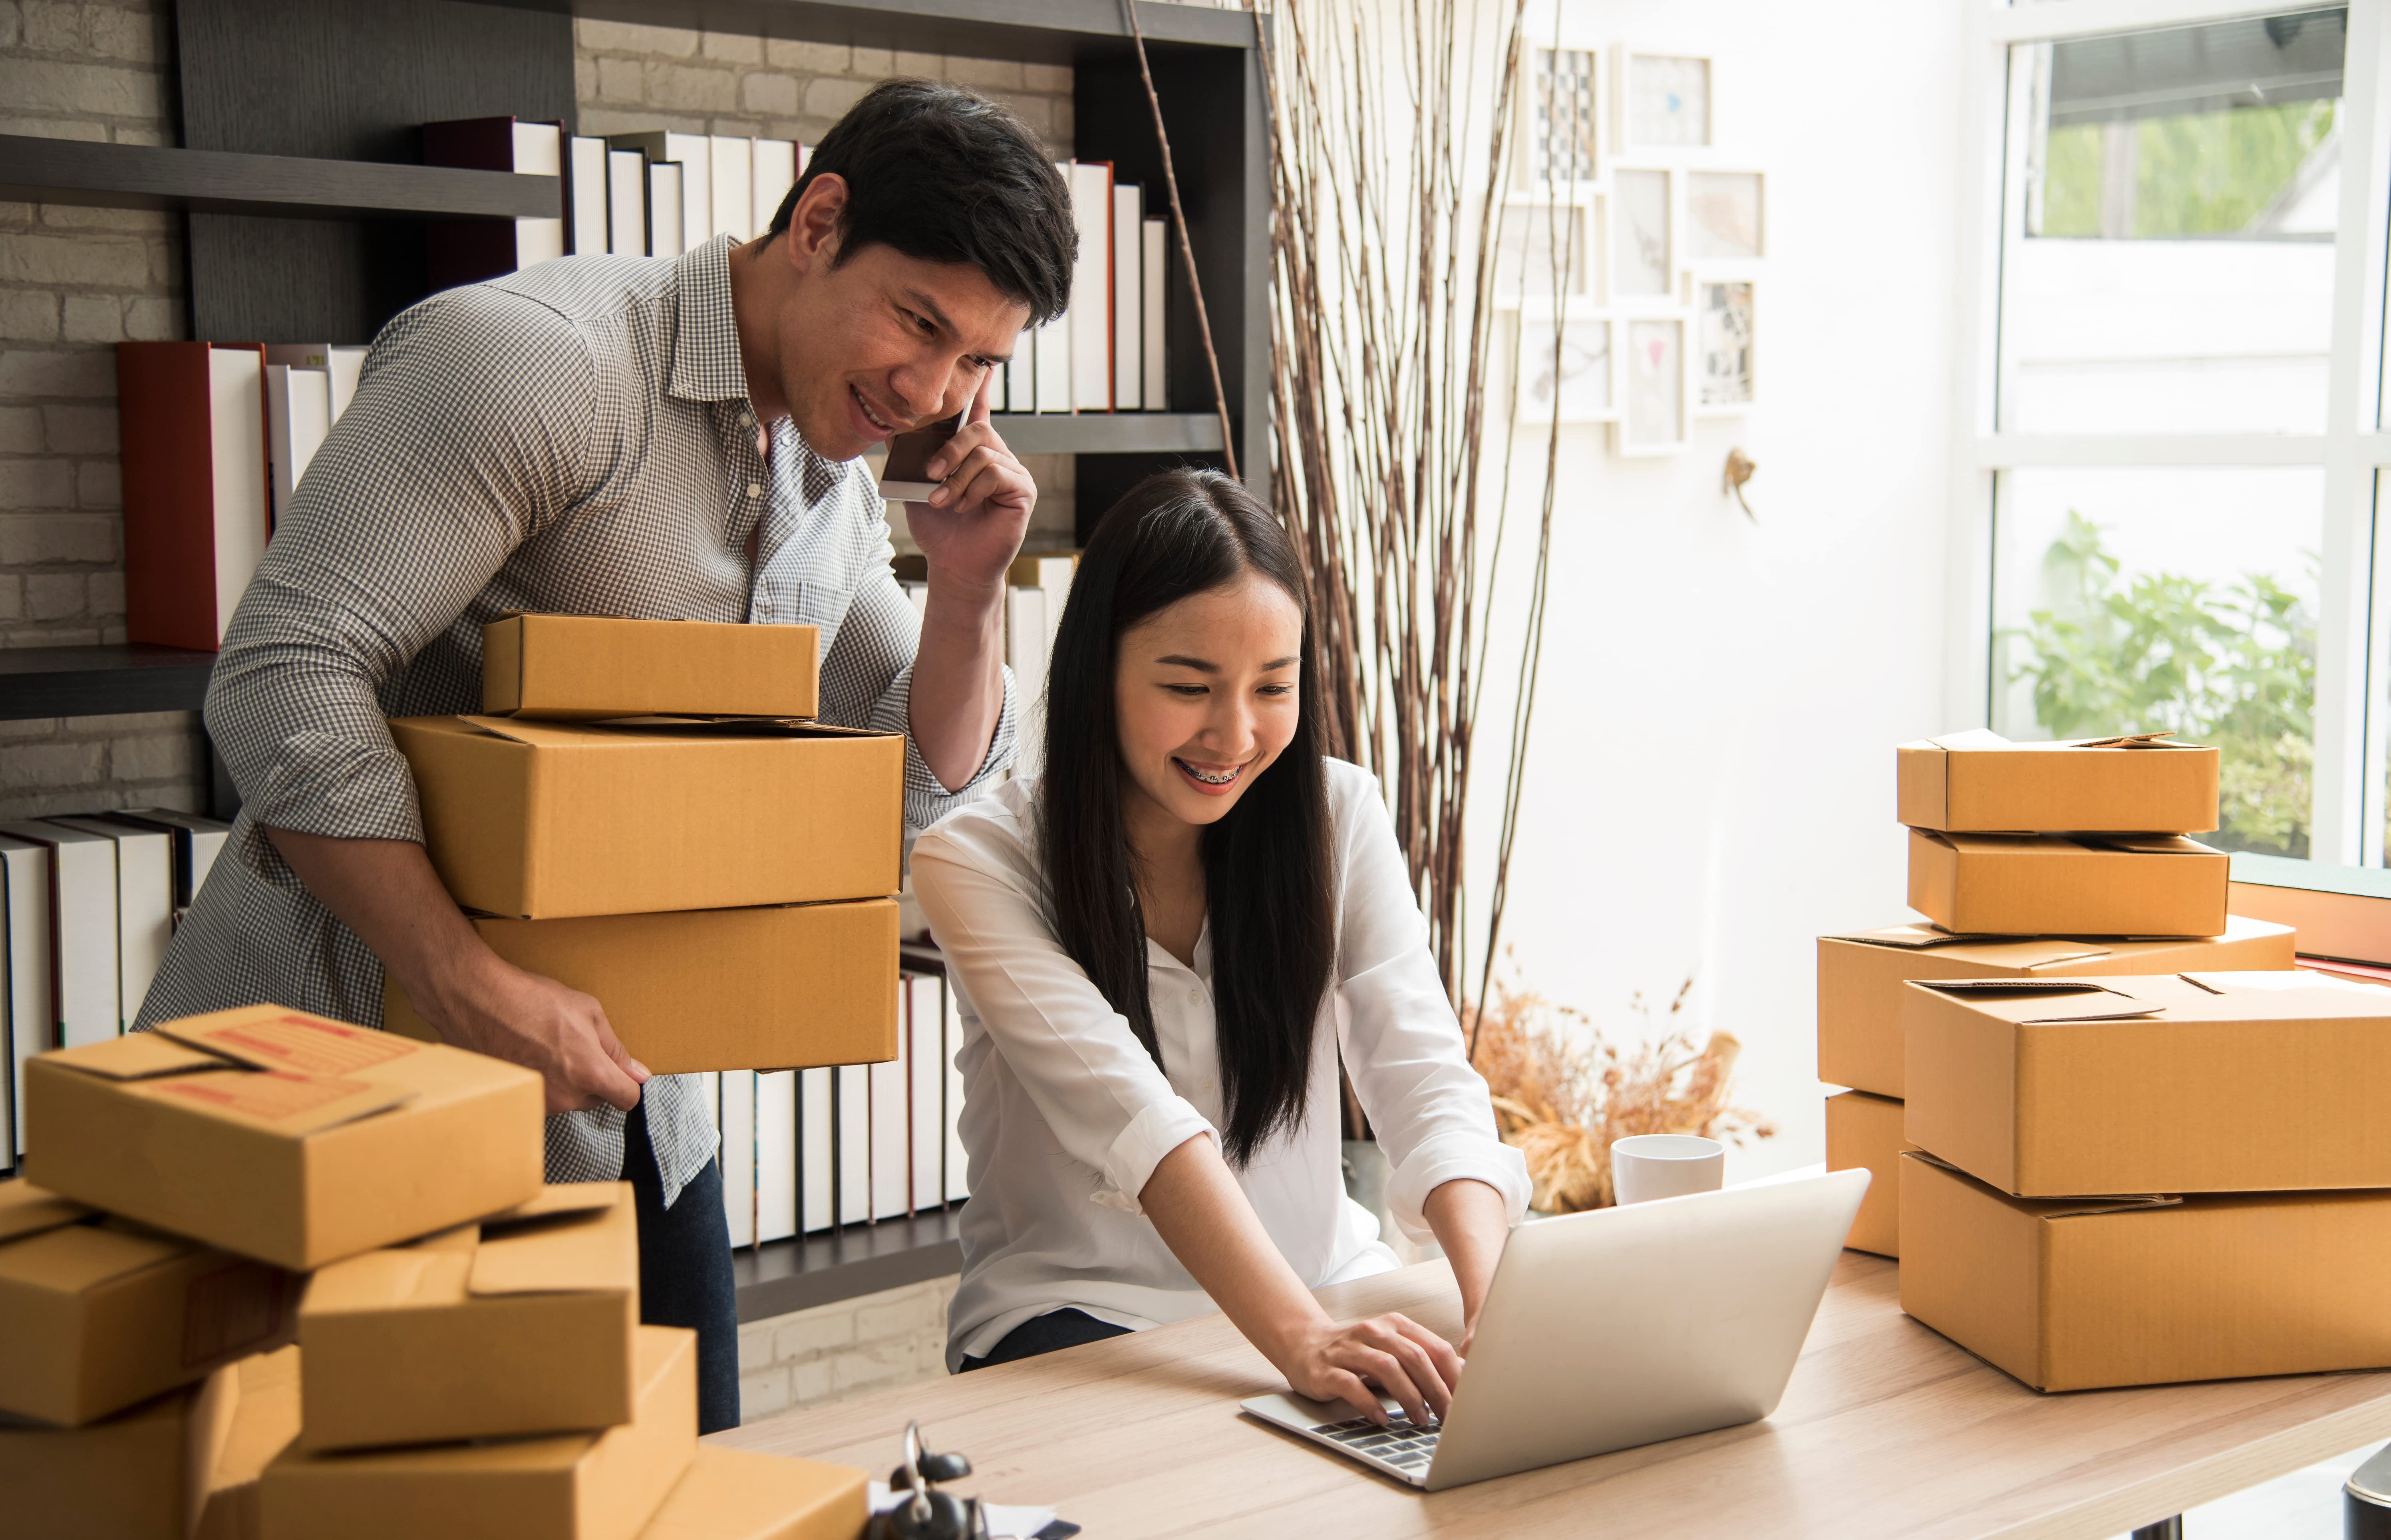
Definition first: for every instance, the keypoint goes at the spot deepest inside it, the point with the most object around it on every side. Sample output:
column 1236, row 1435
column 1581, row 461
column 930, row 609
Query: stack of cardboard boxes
column 2009, row 901
column 468, row 1357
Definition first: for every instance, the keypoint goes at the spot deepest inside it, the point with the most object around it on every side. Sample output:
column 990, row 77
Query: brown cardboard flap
column 2055, row 1207
column 26, row 1209
column 381, row 1280
column 571, row 1250
column 1909, row 938
column 301, row 1044
column 2132, row 740
column 562, row 1198
column 2148, row 844
column 275, row 1100
column 135, row 1057
column 2060, row 1013
column 2015, row 986
column 534, row 733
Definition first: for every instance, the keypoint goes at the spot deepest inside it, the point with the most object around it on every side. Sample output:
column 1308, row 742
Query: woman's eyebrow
column 1287, row 661
column 1184, row 661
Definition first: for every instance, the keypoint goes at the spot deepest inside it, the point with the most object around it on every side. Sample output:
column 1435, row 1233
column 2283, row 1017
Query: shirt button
column 754, row 489
column 1194, row 997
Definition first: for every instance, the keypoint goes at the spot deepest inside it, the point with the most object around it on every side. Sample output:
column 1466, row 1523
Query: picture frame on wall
column 1654, row 414
column 1577, row 382
column 1539, row 241
column 1642, row 241
column 1724, row 380
column 1564, row 119
column 1726, row 216
column 1663, row 100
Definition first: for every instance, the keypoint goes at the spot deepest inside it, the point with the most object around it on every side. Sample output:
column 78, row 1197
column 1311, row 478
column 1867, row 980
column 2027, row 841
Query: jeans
column 685, row 1270
column 1055, row 1329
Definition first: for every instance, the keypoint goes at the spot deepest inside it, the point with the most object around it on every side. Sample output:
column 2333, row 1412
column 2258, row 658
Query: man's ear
column 810, row 243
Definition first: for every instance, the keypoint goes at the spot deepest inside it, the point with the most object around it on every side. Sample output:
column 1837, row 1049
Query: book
column 776, row 1156
column 892, row 1138
column 919, row 593
column 1092, row 285
column 775, row 171
column 817, row 1151
column 664, row 236
column 466, row 251
column 197, row 841
column 852, row 1118
column 298, row 415
column 1021, row 375
column 28, row 1011
column 695, row 154
column 734, row 188
column 738, row 1153
column 627, row 202
column 925, row 1038
column 1025, row 653
column 1129, row 318
column 192, row 424
column 1054, row 350
column 585, row 196
column 145, row 905
column 1154, row 310
column 83, row 977
column 340, row 363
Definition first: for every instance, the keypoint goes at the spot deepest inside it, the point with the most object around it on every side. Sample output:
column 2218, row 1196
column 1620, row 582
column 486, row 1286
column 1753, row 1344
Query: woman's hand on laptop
column 1394, row 1353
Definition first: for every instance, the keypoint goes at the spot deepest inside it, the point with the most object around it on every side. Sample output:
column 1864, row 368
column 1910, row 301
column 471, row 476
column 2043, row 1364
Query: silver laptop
column 1618, row 1327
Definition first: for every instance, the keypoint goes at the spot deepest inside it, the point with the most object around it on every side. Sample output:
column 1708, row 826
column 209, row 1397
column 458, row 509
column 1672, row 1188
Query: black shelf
column 1036, row 32
column 782, row 1276
column 1109, row 433
column 216, row 181
column 100, row 682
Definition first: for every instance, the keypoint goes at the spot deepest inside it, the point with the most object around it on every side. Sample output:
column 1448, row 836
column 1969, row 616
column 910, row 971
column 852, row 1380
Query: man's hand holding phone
column 968, row 500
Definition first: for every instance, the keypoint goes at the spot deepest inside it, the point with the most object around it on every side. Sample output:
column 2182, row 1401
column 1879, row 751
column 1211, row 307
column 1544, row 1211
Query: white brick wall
column 813, row 1357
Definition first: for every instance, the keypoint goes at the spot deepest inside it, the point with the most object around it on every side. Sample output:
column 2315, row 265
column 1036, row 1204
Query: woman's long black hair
column 1268, row 887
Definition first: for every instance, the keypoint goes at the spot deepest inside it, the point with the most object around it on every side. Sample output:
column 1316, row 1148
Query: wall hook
column 1740, row 469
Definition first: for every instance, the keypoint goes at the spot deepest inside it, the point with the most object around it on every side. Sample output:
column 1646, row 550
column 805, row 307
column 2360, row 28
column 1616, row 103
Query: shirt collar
column 705, row 364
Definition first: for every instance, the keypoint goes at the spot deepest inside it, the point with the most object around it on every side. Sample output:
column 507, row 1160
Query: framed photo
column 1725, row 216
column 1722, row 376
column 1643, row 238
column 1546, row 248
column 1654, row 420
column 1567, row 369
column 1664, row 100
column 1562, row 130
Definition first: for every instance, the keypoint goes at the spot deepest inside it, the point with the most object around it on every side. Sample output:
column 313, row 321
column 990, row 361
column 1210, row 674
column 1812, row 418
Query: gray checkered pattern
column 574, row 438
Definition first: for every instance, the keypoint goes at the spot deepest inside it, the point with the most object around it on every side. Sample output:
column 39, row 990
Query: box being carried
column 2081, row 1293
column 786, row 987
column 1860, row 978
column 523, row 1323
column 1979, row 781
column 550, row 820
column 281, row 1135
column 2068, row 884
column 2197, row 1082
column 570, row 668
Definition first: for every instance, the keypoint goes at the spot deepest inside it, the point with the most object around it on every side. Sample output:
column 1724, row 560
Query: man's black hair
column 945, row 174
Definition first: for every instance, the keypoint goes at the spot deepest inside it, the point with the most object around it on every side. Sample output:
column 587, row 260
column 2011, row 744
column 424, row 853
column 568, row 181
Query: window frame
column 2352, row 707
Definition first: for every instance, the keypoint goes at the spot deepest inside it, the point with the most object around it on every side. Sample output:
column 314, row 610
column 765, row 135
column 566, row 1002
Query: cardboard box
column 96, row 1315
column 2342, row 912
column 2080, row 885
column 1980, row 781
column 1860, row 978
column 2081, row 1294
column 578, row 666
column 1864, row 1133
column 571, row 1486
column 738, row 1494
column 2197, row 1082
column 785, row 987
column 548, row 819
column 523, row 1323
column 284, row 1136
column 250, row 1416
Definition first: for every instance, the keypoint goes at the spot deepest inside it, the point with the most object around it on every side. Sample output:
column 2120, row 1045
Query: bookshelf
column 207, row 181
column 100, row 682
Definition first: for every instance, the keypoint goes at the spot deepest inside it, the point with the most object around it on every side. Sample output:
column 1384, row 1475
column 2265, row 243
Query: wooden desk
column 1886, row 1429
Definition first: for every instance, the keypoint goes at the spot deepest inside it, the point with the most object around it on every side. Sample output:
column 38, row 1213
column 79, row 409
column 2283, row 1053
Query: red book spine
column 170, row 563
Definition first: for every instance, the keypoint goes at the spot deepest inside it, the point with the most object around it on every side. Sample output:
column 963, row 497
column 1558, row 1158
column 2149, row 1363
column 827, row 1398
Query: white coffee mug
column 1665, row 1165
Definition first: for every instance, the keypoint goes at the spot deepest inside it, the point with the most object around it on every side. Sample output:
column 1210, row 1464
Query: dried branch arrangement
column 1563, row 1093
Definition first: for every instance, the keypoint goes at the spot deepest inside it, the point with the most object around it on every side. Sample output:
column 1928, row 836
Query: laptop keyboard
column 1399, row 1443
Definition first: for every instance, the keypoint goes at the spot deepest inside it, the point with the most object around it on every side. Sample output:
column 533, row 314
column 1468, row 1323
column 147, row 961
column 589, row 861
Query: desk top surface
column 1887, row 1429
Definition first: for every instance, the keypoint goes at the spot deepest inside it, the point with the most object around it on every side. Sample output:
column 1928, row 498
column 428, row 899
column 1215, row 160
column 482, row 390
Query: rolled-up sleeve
column 469, row 428
column 1403, row 1046
column 1106, row 1101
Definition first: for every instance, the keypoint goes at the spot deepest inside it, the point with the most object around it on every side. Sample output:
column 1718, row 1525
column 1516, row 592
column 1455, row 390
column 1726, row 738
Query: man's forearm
column 958, row 677
column 387, row 892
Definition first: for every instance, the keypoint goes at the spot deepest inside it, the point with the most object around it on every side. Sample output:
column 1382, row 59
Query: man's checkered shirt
column 574, row 438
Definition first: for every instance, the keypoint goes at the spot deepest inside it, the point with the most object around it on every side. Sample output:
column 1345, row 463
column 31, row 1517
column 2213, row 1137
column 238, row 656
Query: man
column 674, row 438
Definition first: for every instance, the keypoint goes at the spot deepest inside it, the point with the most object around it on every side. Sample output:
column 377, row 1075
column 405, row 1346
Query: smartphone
column 906, row 477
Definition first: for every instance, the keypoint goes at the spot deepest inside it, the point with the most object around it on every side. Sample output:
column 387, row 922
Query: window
column 2167, row 503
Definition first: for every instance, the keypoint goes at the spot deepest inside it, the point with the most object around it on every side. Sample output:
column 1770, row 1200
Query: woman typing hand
column 1162, row 947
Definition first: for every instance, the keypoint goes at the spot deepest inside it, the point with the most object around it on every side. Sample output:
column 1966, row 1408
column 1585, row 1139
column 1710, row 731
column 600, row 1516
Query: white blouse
column 1065, row 1114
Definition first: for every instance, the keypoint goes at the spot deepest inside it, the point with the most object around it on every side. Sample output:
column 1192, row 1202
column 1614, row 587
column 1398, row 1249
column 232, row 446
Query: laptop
column 1618, row 1327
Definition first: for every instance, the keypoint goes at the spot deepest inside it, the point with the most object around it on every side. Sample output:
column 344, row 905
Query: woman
column 1159, row 947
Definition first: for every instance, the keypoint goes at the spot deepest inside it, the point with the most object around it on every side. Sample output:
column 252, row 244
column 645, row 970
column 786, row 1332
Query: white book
column 145, row 905
column 926, row 1041
column 298, row 415
column 854, row 1143
column 738, row 1153
column 958, row 1163
column 1129, row 319
column 1025, row 653
column 664, row 208
column 539, row 152
column 585, row 196
column 1021, row 375
column 776, row 1156
column 198, row 840
column 1091, row 288
column 626, row 222
column 236, row 446
column 892, row 1139
column 774, row 172
column 919, row 593
column 341, row 363
column 818, row 1152
column 695, row 153
column 26, row 1008
column 1052, row 366
column 82, row 920
column 1154, row 292
column 805, row 157
column 709, row 1093
column 734, row 188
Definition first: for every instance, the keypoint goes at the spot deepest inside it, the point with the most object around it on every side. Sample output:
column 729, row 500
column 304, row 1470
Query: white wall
column 1711, row 780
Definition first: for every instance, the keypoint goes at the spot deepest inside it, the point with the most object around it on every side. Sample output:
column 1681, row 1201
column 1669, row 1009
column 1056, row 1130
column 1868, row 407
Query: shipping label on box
column 2081, row 1294
column 1864, row 1133
column 523, row 1323
column 2197, row 1083
column 552, row 819
column 785, row 987
column 1980, row 781
column 2060, row 884
column 97, row 1315
column 1860, row 978
column 571, row 1486
column 283, row 1136
column 581, row 668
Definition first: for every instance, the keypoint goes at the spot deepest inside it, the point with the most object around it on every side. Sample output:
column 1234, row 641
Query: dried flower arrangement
column 1563, row 1092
